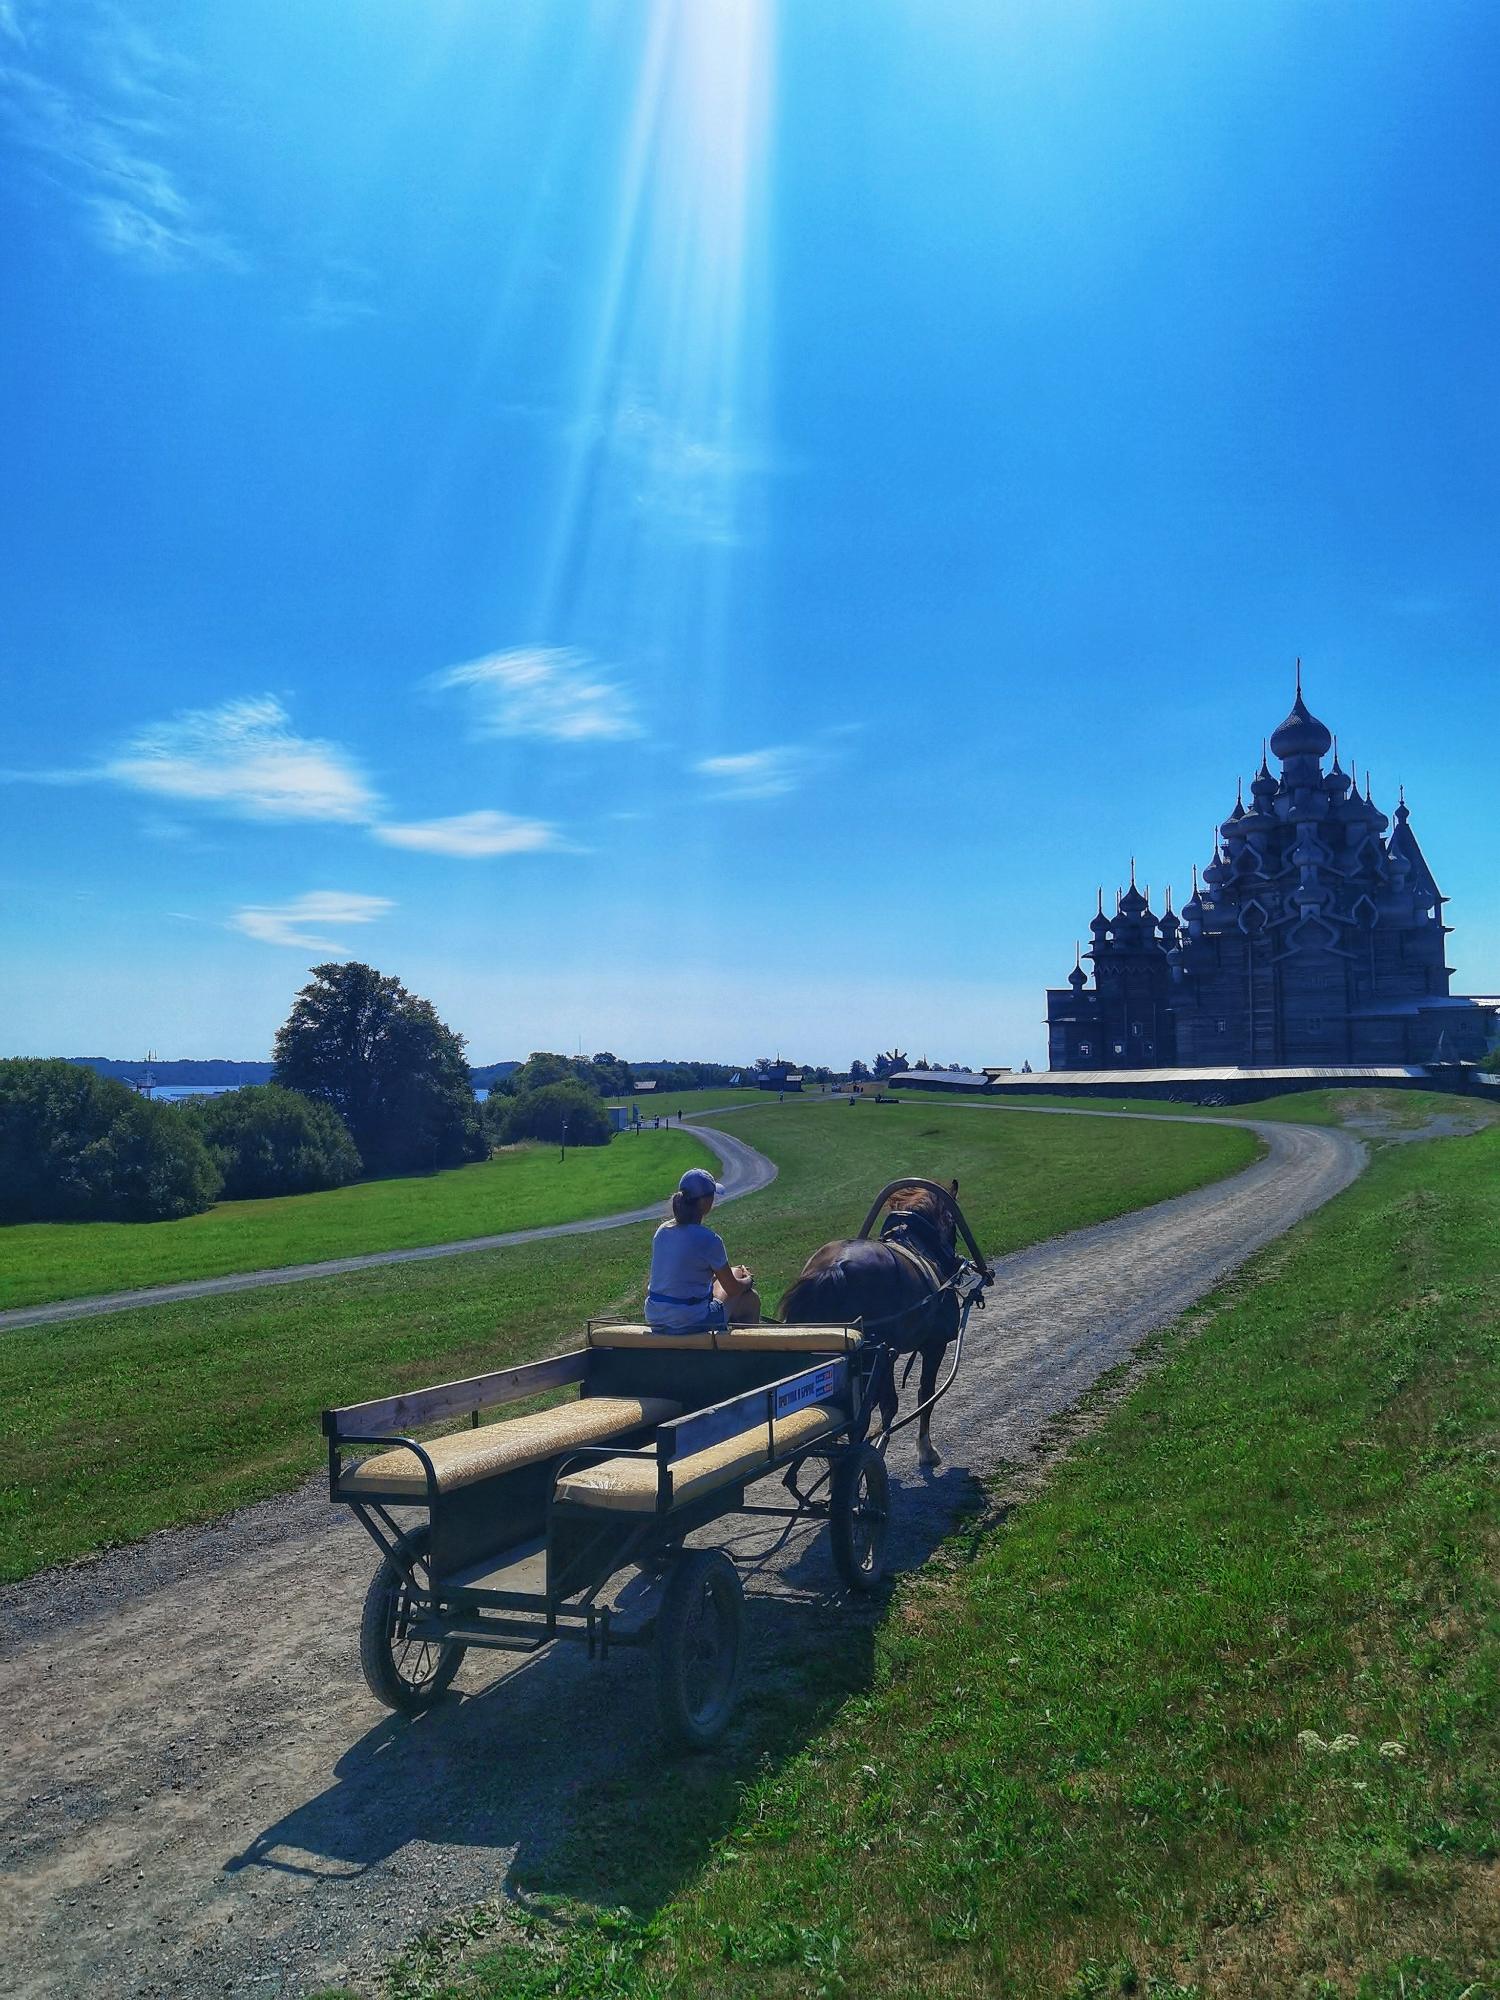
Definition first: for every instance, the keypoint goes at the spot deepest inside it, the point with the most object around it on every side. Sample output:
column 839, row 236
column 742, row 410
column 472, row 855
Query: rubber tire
column 861, row 1464
column 693, row 1574
column 382, row 1676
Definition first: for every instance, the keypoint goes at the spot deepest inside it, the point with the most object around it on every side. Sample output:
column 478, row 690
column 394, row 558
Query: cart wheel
column 698, row 1638
column 403, row 1672
column 859, row 1516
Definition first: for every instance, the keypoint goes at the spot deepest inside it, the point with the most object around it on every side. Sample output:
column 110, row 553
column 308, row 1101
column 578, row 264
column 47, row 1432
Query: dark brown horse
column 893, row 1286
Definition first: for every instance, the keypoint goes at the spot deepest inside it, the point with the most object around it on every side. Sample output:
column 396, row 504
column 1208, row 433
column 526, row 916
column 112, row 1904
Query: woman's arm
column 734, row 1279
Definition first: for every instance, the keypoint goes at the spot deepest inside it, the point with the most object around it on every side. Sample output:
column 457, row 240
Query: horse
column 894, row 1285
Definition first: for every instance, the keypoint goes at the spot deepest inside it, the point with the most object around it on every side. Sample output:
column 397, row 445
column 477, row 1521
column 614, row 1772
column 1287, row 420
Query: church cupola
column 1217, row 871
column 1301, row 738
column 1099, row 924
column 1078, row 978
column 1263, row 785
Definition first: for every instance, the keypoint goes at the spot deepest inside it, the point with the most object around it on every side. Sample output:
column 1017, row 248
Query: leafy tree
column 79, row 1147
column 1491, row 1063
column 858, row 1071
column 266, row 1140
column 540, row 1114
column 395, row 1073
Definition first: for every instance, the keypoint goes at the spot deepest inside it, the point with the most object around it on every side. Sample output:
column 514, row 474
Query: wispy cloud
column 245, row 758
column 474, row 836
column 759, row 774
column 341, row 294
column 551, row 692
column 300, row 921
column 100, row 135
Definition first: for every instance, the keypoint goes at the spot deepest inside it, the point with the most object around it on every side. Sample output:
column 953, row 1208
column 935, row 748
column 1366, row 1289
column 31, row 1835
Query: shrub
column 77, row 1147
column 266, row 1141
column 539, row 1114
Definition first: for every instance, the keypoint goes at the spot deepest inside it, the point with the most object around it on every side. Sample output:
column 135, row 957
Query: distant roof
column 1122, row 1079
column 645, row 1083
column 955, row 1079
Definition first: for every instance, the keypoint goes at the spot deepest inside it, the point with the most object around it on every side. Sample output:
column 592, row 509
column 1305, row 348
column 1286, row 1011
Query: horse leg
column 928, row 1455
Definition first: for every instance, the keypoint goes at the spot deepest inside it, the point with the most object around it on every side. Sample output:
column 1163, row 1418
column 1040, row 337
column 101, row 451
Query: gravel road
column 198, row 1796
column 744, row 1171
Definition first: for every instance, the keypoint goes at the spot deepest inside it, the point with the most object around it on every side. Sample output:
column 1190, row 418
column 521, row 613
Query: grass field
column 114, row 1426
column 520, row 1188
column 1399, row 1110
column 1214, row 1714
column 670, row 1102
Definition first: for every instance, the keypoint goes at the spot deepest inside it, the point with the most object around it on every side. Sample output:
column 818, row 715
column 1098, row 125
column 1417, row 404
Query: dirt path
column 744, row 1171
column 198, row 1796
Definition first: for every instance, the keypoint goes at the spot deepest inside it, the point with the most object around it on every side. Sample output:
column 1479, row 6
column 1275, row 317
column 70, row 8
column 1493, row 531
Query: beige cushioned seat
column 739, row 1339
column 466, row 1456
column 628, row 1485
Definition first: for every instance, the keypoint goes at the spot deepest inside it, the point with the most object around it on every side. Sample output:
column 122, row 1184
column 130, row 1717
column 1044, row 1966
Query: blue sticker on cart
column 809, row 1388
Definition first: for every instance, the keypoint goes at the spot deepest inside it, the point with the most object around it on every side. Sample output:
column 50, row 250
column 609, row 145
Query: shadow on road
column 555, row 1764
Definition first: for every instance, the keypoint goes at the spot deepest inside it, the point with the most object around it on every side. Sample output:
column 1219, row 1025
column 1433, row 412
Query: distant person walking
column 694, row 1288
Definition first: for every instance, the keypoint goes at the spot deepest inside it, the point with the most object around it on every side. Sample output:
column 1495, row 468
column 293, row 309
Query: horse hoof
column 928, row 1456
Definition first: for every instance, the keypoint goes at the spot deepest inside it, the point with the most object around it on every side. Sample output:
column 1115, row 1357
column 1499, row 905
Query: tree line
column 366, row 1081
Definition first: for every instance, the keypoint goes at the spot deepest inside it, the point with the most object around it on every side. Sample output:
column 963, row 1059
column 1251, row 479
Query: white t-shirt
column 684, row 1257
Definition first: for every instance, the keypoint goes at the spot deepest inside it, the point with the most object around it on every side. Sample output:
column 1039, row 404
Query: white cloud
column 245, row 758
column 552, row 692
column 473, row 836
column 292, row 923
column 758, row 774
column 98, row 138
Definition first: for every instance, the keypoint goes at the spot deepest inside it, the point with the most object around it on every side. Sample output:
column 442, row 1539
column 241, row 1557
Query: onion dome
column 1133, row 903
column 1263, row 785
column 1168, row 925
column 1231, row 825
column 1301, row 735
column 1217, row 870
column 1099, row 925
column 1078, row 978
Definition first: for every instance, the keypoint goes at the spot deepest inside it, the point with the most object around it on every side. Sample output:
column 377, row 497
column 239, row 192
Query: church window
column 1119, row 1048
column 1220, row 1026
column 1085, row 1048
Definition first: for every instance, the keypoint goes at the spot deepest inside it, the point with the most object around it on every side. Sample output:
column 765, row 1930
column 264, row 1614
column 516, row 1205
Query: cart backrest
column 417, row 1407
column 738, row 1340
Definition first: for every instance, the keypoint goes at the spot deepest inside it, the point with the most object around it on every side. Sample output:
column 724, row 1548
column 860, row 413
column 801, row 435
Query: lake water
column 173, row 1093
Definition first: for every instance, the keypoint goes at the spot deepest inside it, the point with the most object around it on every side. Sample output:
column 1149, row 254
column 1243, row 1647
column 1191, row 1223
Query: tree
column 395, row 1073
column 888, row 1063
column 266, row 1141
column 858, row 1071
column 79, row 1147
column 541, row 1114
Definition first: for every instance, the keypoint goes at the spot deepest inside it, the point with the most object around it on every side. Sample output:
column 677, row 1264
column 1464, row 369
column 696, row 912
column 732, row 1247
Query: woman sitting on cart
column 694, row 1288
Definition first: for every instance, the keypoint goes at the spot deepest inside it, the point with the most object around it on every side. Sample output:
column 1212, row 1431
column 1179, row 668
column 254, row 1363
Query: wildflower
column 1310, row 1741
column 1392, row 1752
column 1341, row 1743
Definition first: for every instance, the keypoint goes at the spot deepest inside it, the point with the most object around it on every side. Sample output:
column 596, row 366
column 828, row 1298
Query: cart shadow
column 555, row 1764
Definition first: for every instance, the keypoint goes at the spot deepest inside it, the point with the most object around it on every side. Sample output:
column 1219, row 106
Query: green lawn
column 669, row 1102
column 1399, row 1109
column 133, row 1421
column 1215, row 1714
column 520, row 1188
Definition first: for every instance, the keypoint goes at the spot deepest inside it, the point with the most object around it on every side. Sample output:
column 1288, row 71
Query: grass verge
column 524, row 1187
column 112, row 1427
column 1213, row 1714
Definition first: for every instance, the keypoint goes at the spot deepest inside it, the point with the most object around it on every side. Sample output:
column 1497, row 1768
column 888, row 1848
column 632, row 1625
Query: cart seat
column 628, row 1485
column 738, row 1339
column 466, row 1456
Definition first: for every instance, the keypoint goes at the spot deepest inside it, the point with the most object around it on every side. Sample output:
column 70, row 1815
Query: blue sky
column 697, row 527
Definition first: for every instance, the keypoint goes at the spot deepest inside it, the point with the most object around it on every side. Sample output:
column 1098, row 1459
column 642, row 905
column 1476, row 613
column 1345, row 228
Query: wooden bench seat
column 738, row 1339
column 628, row 1485
column 464, row 1457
